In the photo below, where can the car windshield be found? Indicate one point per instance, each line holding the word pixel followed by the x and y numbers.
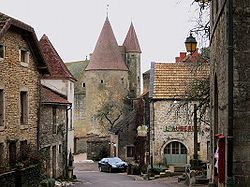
pixel 114 160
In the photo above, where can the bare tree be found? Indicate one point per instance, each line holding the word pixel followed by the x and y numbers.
pixel 112 111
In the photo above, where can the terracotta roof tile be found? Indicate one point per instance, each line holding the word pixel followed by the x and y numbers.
pixel 49 96
pixel 170 80
pixel 106 55
pixel 131 42
pixel 56 65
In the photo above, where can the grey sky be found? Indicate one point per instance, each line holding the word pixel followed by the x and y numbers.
pixel 74 26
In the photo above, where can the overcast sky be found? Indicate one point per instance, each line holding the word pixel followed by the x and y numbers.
pixel 73 26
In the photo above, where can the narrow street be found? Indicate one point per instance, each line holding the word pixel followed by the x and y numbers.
pixel 88 175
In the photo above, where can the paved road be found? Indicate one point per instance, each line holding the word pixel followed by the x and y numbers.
pixel 89 176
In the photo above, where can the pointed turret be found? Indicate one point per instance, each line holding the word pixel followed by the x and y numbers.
pixel 106 55
pixel 56 66
pixel 131 42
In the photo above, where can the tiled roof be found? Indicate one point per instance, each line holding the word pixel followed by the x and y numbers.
pixel 49 96
pixel 131 42
pixel 57 68
pixel 77 68
pixel 170 80
pixel 28 32
pixel 106 55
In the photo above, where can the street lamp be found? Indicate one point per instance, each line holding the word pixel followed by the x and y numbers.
pixel 190 44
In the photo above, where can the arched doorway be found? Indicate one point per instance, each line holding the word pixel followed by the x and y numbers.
pixel 175 153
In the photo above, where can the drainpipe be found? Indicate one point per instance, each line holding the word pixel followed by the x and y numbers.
pixel 39 112
pixel 230 95
pixel 66 141
pixel 195 134
pixel 152 133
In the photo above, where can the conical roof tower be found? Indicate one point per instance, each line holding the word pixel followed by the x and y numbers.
pixel 106 55
pixel 131 42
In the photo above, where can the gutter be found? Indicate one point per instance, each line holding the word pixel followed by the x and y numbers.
pixel 230 94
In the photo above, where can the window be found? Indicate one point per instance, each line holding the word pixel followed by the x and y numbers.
pixel 130 151
pixel 83 84
pixel 102 81
pixel 2 52
pixel 60 148
pixel 24 107
pixel 12 153
pixel 175 148
pixel 23 149
pixel 24 56
pixel 1 107
pixel 54 120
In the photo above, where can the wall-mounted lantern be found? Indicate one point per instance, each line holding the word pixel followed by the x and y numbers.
pixel 142 131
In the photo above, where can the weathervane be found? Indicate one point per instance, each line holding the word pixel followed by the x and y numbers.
pixel 107 9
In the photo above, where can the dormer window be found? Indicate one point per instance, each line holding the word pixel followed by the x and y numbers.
pixel 24 56
pixel 2 52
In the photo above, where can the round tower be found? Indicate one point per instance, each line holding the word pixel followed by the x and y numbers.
pixel 133 61
pixel 106 83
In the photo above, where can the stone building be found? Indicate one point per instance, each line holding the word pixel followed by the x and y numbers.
pixel 110 77
pixel 21 67
pixel 171 115
pixel 61 81
pixel 53 129
pixel 230 54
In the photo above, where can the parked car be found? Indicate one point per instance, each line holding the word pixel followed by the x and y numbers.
pixel 112 164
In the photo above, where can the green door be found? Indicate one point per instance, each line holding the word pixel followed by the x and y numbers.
pixel 175 153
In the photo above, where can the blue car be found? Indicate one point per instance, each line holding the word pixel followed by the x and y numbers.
pixel 112 164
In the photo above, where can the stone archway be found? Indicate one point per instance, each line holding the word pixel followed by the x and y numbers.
pixel 175 153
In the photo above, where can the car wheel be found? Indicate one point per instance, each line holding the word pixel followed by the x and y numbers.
pixel 100 169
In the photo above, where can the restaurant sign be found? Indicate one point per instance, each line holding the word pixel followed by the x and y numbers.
pixel 179 128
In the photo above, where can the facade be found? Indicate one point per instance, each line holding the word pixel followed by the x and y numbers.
pixel 21 67
pixel 230 92
pixel 53 128
pixel 172 115
pixel 110 76
pixel 61 81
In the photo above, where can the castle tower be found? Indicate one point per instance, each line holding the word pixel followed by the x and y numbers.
pixel 106 83
pixel 133 61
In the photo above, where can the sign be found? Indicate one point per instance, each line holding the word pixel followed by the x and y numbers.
pixel 179 128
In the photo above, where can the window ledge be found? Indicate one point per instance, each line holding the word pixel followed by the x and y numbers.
pixel 23 127
pixel 24 64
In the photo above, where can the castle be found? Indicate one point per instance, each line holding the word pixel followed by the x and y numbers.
pixel 104 92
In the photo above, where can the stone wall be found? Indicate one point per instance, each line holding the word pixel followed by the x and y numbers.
pixel 105 91
pixel 133 61
pixel 48 139
pixel 219 83
pixel 175 123
pixel 26 177
pixel 16 77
